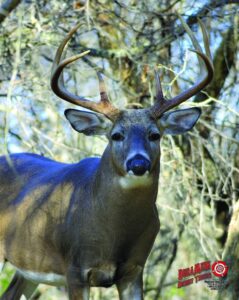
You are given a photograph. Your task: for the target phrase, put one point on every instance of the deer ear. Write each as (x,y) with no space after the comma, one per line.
(87,122)
(179,121)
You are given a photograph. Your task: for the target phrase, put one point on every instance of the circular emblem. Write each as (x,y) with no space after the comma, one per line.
(219,268)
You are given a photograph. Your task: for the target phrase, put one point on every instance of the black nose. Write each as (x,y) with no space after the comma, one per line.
(138,165)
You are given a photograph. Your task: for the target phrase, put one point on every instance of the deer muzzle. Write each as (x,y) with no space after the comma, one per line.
(138,165)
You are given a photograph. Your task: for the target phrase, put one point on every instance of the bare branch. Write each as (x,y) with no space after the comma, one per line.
(7,7)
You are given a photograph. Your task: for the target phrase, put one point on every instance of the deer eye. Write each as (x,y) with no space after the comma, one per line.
(154,136)
(117,136)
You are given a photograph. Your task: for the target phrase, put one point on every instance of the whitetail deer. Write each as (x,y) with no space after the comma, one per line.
(91,223)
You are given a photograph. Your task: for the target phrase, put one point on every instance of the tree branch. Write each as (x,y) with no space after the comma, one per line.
(7,7)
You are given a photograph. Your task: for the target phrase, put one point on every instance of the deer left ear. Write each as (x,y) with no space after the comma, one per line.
(179,121)
(87,122)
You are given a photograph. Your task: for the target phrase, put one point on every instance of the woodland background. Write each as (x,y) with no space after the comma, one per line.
(199,182)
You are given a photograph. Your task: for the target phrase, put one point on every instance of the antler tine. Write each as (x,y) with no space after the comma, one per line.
(194,41)
(205,39)
(206,61)
(102,87)
(159,92)
(57,83)
(60,49)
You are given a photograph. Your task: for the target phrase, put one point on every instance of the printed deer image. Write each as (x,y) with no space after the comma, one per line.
(91,223)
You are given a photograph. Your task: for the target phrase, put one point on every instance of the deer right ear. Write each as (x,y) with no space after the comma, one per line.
(87,122)
(180,121)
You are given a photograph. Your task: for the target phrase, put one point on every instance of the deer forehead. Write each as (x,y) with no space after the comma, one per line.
(131,117)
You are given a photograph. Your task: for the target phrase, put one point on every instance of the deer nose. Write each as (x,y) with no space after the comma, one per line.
(138,164)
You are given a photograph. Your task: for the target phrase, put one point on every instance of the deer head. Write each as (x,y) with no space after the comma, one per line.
(133,134)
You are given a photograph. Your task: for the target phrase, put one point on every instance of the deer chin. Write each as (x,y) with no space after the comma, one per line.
(131,181)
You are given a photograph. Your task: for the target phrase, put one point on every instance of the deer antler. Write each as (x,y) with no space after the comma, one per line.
(104,106)
(161,104)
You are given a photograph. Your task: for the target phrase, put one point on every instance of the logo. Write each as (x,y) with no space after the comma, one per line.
(219,268)
(204,271)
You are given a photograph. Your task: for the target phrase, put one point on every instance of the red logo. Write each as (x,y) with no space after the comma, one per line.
(219,268)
